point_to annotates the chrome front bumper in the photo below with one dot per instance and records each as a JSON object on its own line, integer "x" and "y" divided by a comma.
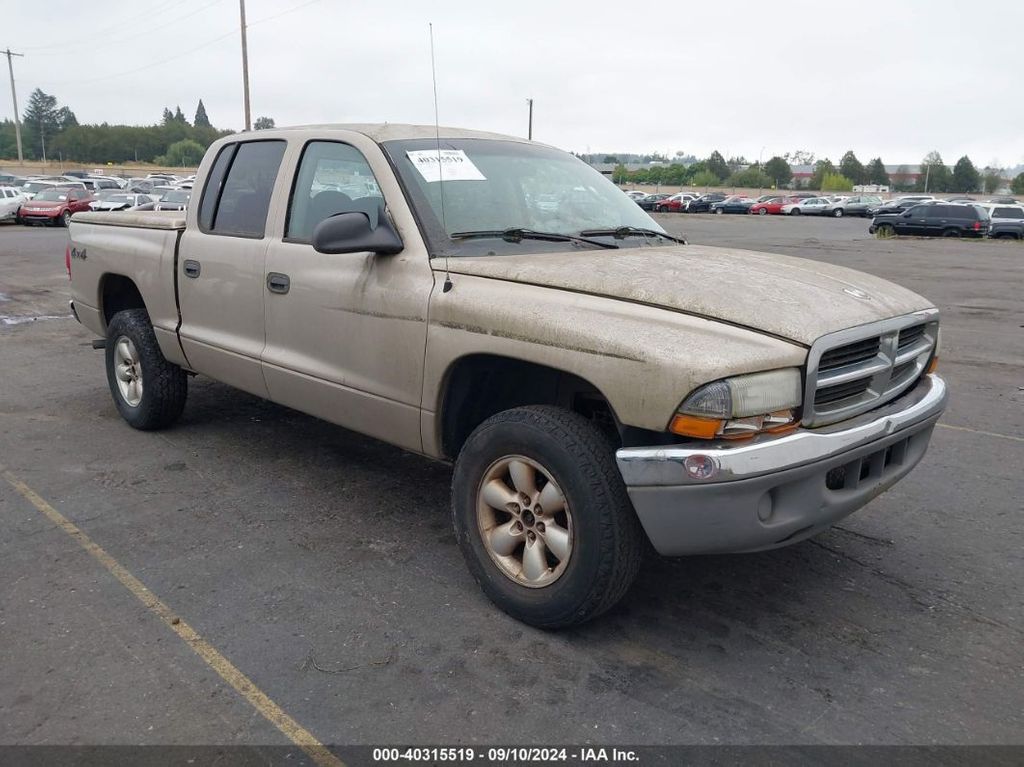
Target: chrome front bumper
{"x": 773, "y": 491}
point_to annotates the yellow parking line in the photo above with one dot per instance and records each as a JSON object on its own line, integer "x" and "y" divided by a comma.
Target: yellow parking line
{"x": 979, "y": 431}
{"x": 227, "y": 671}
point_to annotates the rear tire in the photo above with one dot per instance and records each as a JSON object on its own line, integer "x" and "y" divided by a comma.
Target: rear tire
{"x": 149, "y": 392}
{"x": 500, "y": 530}
{"x": 951, "y": 233}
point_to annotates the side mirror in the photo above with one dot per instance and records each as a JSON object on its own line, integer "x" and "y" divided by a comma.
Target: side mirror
{"x": 357, "y": 232}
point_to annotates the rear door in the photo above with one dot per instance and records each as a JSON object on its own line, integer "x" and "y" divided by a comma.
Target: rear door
{"x": 942, "y": 217}
{"x": 220, "y": 273}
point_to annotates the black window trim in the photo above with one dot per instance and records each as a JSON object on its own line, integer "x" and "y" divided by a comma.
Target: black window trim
{"x": 234, "y": 147}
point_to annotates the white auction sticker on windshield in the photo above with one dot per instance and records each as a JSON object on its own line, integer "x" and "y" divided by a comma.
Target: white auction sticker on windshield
{"x": 446, "y": 164}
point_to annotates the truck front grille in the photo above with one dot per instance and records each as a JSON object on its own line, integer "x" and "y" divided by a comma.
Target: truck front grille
{"x": 856, "y": 370}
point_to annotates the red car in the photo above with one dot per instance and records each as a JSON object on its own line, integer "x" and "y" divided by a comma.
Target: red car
{"x": 773, "y": 206}
{"x": 676, "y": 203}
{"x": 54, "y": 206}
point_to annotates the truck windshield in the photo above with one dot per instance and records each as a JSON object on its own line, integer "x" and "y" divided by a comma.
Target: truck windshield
{"x": 497, "y": 186}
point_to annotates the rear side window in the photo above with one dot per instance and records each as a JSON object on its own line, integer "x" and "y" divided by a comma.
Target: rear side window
{"x": 1007, "y": 213}
{"x": 239, "y": 207}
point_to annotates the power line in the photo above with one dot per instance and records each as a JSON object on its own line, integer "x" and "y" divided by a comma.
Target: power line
{"x": 146, "y": 17}
{"x": 182, "y": 54}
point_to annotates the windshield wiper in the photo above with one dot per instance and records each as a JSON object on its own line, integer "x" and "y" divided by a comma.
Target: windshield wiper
{"x": 623, "y": 232}
{"x": 518, "y": 235}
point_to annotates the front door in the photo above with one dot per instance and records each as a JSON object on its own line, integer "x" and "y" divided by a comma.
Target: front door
{"x": 220, "y": 266}
{"x": 345, "y": 333}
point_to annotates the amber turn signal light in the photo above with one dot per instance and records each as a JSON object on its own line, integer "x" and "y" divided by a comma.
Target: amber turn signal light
{"x": 694, "y": 426}
{"x": 933, "y": 365}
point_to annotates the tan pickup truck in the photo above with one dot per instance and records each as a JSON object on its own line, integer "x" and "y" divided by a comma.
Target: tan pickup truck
{"x": 498, "y": 304}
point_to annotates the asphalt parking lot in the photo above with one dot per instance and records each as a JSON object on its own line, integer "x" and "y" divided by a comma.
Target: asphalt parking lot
{"x": 321, "y": 563}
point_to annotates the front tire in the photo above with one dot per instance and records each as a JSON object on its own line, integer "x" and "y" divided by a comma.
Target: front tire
{"x": 149, "y": 392}
{"x": 542, "y": 516}
{"x": 795, "y": 212}
{"x": 65, "y": 219}
{"x": 838, "y": 213}
{"x": 885, "y": 231}
{"x": 762, "y": 212}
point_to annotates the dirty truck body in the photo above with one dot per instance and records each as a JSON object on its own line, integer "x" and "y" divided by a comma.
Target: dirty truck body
{"x": 498, "y": 304}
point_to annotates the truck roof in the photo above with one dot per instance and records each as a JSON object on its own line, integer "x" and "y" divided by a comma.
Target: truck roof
{"x": 395, "y": 131}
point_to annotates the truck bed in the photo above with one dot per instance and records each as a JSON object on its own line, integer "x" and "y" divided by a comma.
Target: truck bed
{"x": 142, "y": 219}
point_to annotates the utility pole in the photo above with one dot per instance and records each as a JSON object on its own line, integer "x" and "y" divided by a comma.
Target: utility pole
{"x": 529, "y": 129}
{"x": 245, "y": 67}
{"x": 14, "y": 98}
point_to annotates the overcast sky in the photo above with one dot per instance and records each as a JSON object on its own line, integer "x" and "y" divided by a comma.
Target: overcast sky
{"x": 894, "y": 79}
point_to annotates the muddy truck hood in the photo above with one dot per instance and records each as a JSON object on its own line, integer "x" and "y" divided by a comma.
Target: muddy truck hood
{"x": 792, "y": 298}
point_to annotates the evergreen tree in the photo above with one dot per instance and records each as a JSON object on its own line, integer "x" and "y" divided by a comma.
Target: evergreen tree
{"x": 851, "y": 168}
{"x": 717, "y": 165}
{"x": 965, "y": 176}
{"x": 179, "y": 116}
{"x": 876, "y": 173}
{"x": 168, "y": 117}
{"x": 201, "y": 121}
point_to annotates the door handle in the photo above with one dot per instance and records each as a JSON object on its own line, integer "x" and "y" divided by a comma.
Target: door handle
{"x": 192, "y": 268}
{"x": 278, "y": 283}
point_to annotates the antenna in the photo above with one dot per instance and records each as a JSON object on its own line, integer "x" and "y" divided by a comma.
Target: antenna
{"x": 440, "y": 165}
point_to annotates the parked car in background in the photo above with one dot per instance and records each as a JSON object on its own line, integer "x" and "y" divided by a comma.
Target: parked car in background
{"x": 1000, "y": 214}
{"x": 54, "y": 206}
{"x": 1006, "y": 230}
{"x": 119, "y": 201}
{"x": 853, "y": 206}
{"x": 1004, "y": 201}
{"x": 175, "y": 199}
{"x": 810, "y": 206}
{"x": 933, "y": 219}
{"x": 32, "y": 188}
{"x": 802, "y": 195}
{"x": 95, "y": 185}
{"x": 735, "y": 204}
{"x": 139, "y": 185}
{"x": 772, "y": 205}
{"x": 703, "y": 203}
{"x": 162, "y": 178}
{"x": 11, "y": 199}
{"x": 649, "y": 201}
{"x": 633, "y": 194}
{"x": 676, "y": 203}
{"x": 898, "y": 205}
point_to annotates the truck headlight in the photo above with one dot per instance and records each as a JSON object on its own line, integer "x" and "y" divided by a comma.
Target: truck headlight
{"x": 741, "y": 406}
